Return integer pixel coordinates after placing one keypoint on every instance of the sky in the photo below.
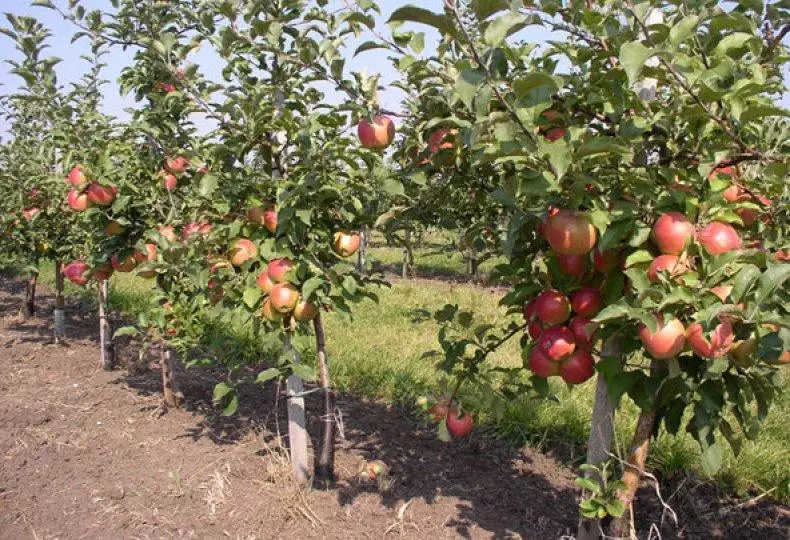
(72, 67)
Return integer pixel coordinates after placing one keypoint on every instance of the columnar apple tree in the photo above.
(646, 230)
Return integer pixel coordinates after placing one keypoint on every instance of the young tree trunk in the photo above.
(30, 296)
(635, 464)
(474, 265)
(297, 432)
(408, 260)
(60, 303)
(325, 460)
(107, 351)
(599, 444)
(362, 254)
(168, 378)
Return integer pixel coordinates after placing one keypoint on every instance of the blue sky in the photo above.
(71, 67)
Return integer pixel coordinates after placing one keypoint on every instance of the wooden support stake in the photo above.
(107, 350)
(297, 431)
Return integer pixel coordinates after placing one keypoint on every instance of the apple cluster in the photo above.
(87, 193)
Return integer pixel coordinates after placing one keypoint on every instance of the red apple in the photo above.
(103, 272)
(169, 181)
(442, 139)
(126, 264)
(718, 238)
(528, 310)
(305, 311)
(587, 302)
(78, 202)
(168, 232)
(570, 233)
(578, 368)
(77, 177)
(176, 164)
(77, 272)
(284, 297)
(719, 343)
(345, 243)
(583, 331)
(535, 329)
(378, 134)
(667, 342)
(671, 232)
(722, 291)
(555, 133)
(557, 342)
(606, 261)
(552, 308)
(268, 312)
(278, 268)
(573, 265)
(241, 251)
(665, 263)
(30, 213)
(541, 365)
(264, 282)
(101, 195)
(459, 426)
(114, 228)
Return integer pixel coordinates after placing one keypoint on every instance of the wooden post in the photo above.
(599, 444)
(168, 379)
(60, 303)
(325, 459)
(107, 351)
(30, 295)
(297, 431)
(362, 254)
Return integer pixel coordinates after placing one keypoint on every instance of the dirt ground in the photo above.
(87, 454)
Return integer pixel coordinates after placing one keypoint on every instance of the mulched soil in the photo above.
(86, 453)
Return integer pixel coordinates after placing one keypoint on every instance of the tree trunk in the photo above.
(325, 461)
(362, 254)
(60, 303)
(474, 265)
(168, 378)
(635, 464)
(106, 348)
(30, 296)
(297, 432)
(407, 255)
(599, 444)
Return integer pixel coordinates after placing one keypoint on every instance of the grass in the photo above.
(379, 356)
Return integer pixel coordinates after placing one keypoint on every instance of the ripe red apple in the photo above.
(268, 312)
(150, 253)
(215, 291)
(573, 265)
(103, 272)
(270, 220)
(77, 177)
(578, 368)
(378, 134)
(528, 310)
(193, 228)
(555, 133)
(718, 238)
(77, 272)
(126, 264)
(667, 342)
(734, 194)
(101, 195)
(169, 181)
(583, 331)
(441, 409)
(557, 342)
(442, 139)
(30, 213)
(278, 268)
(719, 343)
(570, 233)
(671, 232)
(459, 426)
(284, 297)
(345, 243)
(114, 228)
(722, 291)
(176, 164)
(241, 251)
(606, 261)
(553, 116)
(552, 308)
(264, 282)
(665, 263)
(730, 170)
(168, 232)
(164, 87)
(587, 302)
(748, 216)
(305, 311)
(535, 329)
(78, 202)
(541, 365)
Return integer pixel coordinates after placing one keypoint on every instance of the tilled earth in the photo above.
(89, 454)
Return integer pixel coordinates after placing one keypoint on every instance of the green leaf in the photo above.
(772, 279)
(747, 276)
(601, 145)
(638, 257)
(734, 44)
(712, 458)
(467, 85)
(251, 296)
(683, 30)
(310, 286)
(393, 186)
(368, 46)
(423, 16)
(589, 484)
(615, 508)
(267, 375)
(633, 56)
(208, 185)
(303, 371)
(501, 27)
(755, 112)
(126, 331)
(558, 154)
(442, 432)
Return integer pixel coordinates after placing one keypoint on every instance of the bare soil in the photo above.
(86, 453)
